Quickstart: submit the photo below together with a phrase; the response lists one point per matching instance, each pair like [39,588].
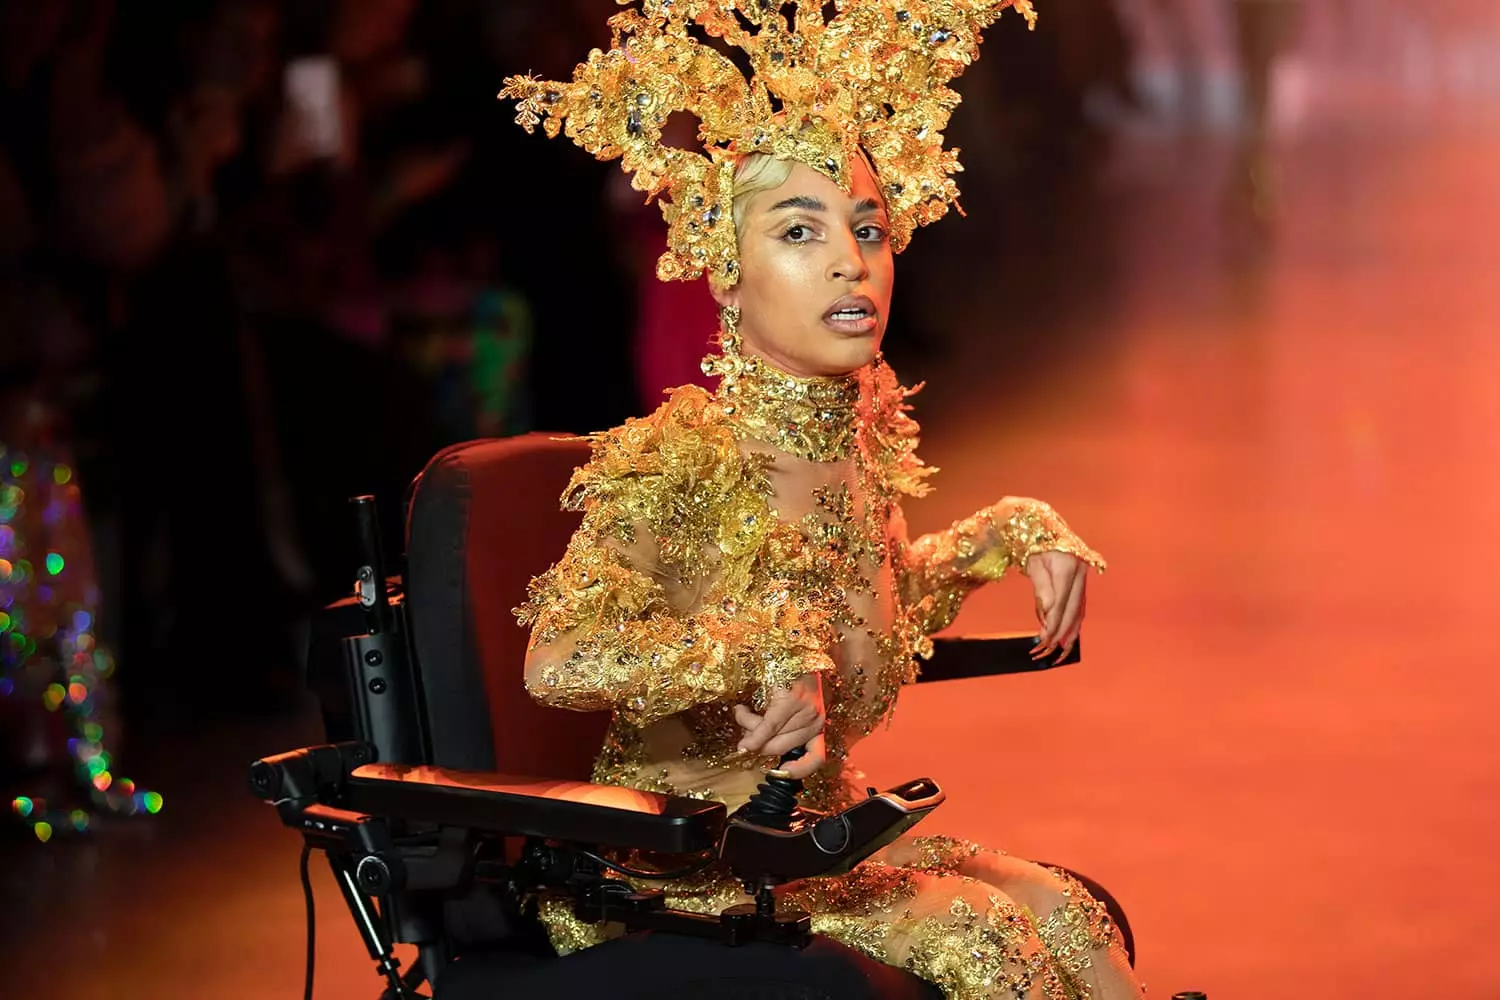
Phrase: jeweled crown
[872,77]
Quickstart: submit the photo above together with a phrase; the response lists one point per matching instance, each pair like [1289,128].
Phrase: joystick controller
[775,801]
[773,839]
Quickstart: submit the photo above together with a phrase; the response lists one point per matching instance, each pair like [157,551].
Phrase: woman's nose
[848,262]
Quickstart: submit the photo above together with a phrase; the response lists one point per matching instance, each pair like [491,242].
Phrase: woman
[742,583]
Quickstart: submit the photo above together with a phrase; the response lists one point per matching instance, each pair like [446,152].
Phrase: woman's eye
[795,234]
[870,234]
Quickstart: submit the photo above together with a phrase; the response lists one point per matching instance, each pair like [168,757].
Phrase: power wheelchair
[446,799]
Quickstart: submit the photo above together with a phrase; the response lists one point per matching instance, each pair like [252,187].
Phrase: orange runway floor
[1280,749]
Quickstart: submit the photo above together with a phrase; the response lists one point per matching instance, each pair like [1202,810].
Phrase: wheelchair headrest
[483,519]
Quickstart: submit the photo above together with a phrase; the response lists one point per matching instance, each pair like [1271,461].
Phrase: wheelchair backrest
[483,519]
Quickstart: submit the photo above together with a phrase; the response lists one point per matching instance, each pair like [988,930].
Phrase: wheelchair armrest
[572,811]
[961,657]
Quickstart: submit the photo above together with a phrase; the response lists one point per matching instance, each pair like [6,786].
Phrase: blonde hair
[755,173]
[759,172]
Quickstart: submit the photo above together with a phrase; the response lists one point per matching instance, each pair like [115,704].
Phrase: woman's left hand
[1060,582]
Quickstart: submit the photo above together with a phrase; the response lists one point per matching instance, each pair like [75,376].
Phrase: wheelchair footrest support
[371,929]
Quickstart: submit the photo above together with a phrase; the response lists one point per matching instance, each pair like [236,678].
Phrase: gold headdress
[873,78]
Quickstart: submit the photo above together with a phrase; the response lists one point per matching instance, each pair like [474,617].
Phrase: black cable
[312,926]
[637,873]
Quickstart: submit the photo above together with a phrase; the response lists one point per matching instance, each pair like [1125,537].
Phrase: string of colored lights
[49,599]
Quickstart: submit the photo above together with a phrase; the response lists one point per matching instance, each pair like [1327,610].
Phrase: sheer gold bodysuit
[733,542]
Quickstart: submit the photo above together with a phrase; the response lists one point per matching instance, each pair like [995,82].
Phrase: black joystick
[775,800]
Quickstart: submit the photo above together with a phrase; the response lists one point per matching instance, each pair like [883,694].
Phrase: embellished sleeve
[941,569]
[650,611]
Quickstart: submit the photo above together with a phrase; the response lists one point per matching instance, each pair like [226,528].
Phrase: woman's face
[815,273]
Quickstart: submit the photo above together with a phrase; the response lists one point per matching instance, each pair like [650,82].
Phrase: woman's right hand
[793,718]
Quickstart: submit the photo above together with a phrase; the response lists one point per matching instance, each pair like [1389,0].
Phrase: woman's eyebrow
[808,203]
[803,201]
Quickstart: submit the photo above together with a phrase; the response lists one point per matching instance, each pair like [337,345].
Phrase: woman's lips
[852,315]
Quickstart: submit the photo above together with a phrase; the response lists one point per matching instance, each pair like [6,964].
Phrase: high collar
[812,418]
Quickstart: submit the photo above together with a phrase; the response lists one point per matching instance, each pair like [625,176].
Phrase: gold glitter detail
[981,549]
[672,512]
[684,592]
[959,933]
[857,909]
[710,891]
[974,954]
[867,890]
[812,418]
[1075,931]
[945,855]
[565,931]
[872,78]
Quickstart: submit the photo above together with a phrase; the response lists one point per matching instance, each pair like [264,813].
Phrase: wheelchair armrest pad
[961,657]
[572,811]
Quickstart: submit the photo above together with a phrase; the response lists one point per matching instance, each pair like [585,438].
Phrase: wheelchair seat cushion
[656,966]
